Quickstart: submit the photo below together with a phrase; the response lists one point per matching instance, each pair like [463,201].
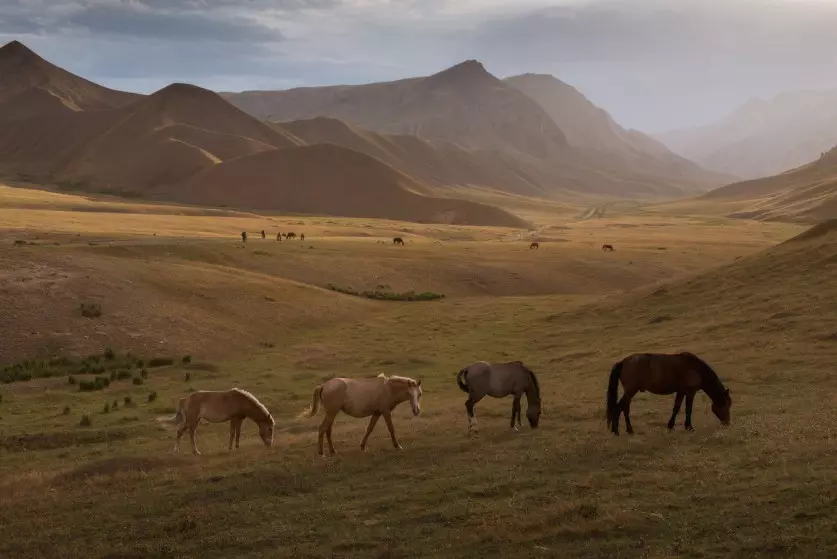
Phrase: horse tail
[178,417]
[613,393]
[315,403]
[462,381]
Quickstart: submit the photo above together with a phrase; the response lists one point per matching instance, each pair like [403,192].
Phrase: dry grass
[766,322]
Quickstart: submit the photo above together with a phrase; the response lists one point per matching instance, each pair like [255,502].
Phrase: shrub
[137,381]
[115,405]
[128,401]
[109,354]
[107,408]
[144,373]
[112,376]
[187,378]
[140,363]
[66,410]
[123,375]
[85,421]
[152,396]
[71,379]
[160,362]
[187,359]
[388,295]
[91,310]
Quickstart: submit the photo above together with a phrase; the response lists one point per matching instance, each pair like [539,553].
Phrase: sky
[653,64]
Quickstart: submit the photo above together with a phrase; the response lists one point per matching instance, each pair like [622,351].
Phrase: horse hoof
[399,447]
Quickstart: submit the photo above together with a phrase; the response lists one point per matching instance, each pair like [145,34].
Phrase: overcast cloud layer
[654,64]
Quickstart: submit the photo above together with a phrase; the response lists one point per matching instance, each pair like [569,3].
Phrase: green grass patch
[388,295]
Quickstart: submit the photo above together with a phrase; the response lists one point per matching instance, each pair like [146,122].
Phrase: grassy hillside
[759,315]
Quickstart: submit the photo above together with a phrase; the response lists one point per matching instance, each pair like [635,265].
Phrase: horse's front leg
[678,400]
[515,412]
[391,427]
[690,399]
[372,422]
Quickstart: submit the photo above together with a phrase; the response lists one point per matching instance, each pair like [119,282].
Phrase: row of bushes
[29,369]
[389,295]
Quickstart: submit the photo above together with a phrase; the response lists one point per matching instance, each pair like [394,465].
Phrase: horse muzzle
[416,411]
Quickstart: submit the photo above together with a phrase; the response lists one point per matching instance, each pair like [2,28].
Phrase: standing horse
[398,241]
[534,245]
[233,405]
[682,374]
[499,380]
[361,398]
[244,236]
[607,248]
[302,236]
[279,237]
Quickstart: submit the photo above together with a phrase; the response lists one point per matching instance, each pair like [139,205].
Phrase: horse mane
[395,378]
[534,379]
[261,407]
[712,385]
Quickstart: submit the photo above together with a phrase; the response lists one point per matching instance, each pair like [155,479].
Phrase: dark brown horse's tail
[613,393]
[461,380]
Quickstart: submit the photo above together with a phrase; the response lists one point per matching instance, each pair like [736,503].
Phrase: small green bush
[128,401]
[144,373]
[115,405]
[85,421]
[137,381]
[109,354]
[152,396]
[71,379]
[66,410]
[187,359]
[160,362]
[91,310]
[388,295]
[123,375]
[187,378]
[107,408]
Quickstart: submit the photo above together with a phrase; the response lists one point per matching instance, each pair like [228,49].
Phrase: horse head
[533,413]
[721,406]
[266,430]
[415,396]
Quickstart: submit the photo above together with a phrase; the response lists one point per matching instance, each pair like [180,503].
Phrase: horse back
[659,373]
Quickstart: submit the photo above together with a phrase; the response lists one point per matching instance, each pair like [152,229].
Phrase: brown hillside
[22,70]
[331,180]
[808,193]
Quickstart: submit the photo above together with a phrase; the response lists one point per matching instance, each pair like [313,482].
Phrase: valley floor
[176,281]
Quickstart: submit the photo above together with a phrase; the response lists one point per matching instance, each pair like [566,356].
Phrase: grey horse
[499,380]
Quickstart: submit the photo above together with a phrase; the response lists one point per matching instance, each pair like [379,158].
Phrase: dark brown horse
[398,241]
[290,235]
[606,248]
[682,374]
[534,245]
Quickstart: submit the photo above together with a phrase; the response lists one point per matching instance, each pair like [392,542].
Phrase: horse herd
[681,374]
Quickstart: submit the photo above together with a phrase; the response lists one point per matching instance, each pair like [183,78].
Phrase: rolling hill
[763,138]
[807,193]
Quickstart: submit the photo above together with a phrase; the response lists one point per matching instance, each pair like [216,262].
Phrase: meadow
[174,284]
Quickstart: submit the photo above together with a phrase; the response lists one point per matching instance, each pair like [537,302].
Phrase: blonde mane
[255,401]
[395,378]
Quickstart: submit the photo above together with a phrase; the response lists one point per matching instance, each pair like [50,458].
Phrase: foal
[361,398]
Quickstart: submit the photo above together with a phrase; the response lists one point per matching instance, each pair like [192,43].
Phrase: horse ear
[418,383]
[727,391]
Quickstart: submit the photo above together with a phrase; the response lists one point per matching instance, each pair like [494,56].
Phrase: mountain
[23,72]
[331,180]
[592,130]
[807,193]
[517,125]
[763,138]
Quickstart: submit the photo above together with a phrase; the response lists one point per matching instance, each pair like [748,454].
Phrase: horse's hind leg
[192,438]
[328,436]
[625,405]
[235,432]
[180,430]
[690,399]
[515,411]
[372,422]
[678,400]
[469,407]
[324,427]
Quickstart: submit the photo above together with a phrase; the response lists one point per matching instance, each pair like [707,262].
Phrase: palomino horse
[499,380]
[233,405]
[361,398]
[534,245]
[398,241]
[682,374]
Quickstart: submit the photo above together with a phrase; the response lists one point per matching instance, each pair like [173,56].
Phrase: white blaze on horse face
[415,394]
[266,431]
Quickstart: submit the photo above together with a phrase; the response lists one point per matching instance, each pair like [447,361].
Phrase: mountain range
[388,150]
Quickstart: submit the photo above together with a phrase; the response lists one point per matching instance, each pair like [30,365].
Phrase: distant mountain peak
[16,49]
[467,72]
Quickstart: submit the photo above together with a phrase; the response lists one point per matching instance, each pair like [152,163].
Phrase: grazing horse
[534,245]
[233,405]
[499,380]
[682,374]
[263,234]
[290,235]
[302,236]
[398,241]
[279,237]
[361,398]
[244,236]
[607,248]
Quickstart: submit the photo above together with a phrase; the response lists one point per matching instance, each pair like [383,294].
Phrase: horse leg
[192,438]
[232,434]
[690,399]
[677,401]
[372,422]
[515,411]
[322,432]
[328,435]
[180,430]
[238,432]
[625,405]
[388,419]
[469,407]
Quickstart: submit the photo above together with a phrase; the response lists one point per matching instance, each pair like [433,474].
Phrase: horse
[361,398]
[534,245]
[263,234]
[290,235]
[244,236]
[682,374]
[302,236]
[279,237]
[606,248]
[233,405]
[499,380]
[398,241]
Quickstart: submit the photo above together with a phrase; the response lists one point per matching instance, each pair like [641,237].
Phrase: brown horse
[361,398]
[682,374]
[607,248]
[534,245]
[290,235]
[499,380]
[398,241]
[233,405]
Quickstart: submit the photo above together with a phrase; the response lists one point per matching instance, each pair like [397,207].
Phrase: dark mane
[711,384]
[536,396]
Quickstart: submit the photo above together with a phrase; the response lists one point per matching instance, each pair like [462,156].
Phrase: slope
[763,138]
[807,193]
[21,70]
[331,180]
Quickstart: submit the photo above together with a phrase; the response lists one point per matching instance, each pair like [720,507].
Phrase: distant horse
[361,398]
[534,245]
[290,235]
[244,236]
[279,237]
[398,241]
[302,236]
[263,235]
[499,380]
[606,248]
[682,374]
[233,405]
